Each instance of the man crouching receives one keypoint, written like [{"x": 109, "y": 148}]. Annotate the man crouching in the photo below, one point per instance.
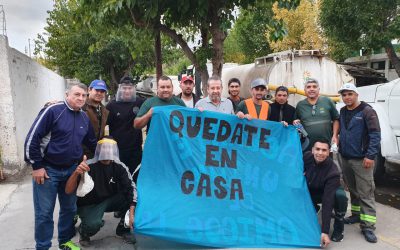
[
  {"x": 113, "y": 191},
  {"x": 323, "y": 181}
]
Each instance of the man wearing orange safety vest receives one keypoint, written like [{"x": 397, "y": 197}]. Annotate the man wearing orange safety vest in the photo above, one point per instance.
[{"x": 255, "y": 107}]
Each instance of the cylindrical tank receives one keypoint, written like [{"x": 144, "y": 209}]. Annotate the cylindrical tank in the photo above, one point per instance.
[{"x": 290, "y": 69}]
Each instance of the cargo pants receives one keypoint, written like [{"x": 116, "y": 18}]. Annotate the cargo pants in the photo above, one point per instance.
[{"x": 360, "y": 182}]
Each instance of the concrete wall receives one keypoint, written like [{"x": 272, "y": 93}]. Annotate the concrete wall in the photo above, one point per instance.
[{"x": 25, "y": 86}]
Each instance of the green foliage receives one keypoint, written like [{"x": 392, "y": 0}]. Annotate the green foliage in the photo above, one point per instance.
[
  {"x": 251, "y": 27},
  {"x": 356, "y": 23},
  {"x": 232, "y": 51},
  {"x": 105, "y": 49}
]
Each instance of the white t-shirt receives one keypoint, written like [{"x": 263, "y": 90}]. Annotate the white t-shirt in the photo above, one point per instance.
[{"x": 189, "y": 103}]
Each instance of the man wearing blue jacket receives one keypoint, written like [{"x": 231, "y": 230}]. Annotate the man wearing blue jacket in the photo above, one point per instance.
[
  {"x": 359, "y": 143},
  {"x": 53, "y": 147}
]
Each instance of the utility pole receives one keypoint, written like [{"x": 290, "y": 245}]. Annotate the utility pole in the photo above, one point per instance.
[
  {"x": 3, "y": 21},
  {"x": 29, "y": 47}
]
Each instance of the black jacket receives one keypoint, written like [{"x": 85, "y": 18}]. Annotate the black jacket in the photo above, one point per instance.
[
  {"x": 195, "y": 98},
  {"x": 288, "y": 112},
  {"x": 109, "y": 180},
  {"x": 360, "y": 133},
  {"x": 323, "y": 180}
]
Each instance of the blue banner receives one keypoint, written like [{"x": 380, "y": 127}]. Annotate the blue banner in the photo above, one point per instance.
[{"x": 214, "y": 180}]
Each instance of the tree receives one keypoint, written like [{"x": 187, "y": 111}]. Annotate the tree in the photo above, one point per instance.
[
  {"x": 108, "y": 50},
  {"x": 250, "y": 28},
  {"x": 357, "y": 24},
  {"x": 301, "y": 25},
  {"x": 207, "y": 19}
]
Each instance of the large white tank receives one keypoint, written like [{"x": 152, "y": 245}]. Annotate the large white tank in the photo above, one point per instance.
[{"x": 291, "y": 69}]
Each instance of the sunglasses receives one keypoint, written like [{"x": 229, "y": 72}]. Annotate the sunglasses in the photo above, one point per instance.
[{"x": 314, "y": 110}]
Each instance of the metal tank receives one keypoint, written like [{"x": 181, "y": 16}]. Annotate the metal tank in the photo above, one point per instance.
[{"x": 290, "y": 69}]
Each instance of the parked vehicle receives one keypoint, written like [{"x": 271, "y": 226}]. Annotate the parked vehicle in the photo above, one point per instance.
[{"x": 385, "y": 99}]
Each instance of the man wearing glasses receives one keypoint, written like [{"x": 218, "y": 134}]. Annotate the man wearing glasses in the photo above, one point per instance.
[{"x": 317, "y": 114}]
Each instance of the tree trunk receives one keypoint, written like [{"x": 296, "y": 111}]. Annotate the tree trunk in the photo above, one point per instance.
[
  {"x": 202, "y": 68},
  {"x": 218, "y": 38},
  {"x": 114, "y": 80},
  {"x": 391, "y": 53},
  {"x": 157, "y": 46}
]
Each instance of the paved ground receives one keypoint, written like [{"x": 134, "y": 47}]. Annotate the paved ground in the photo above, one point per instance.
[{"x": 16, "y": 230}]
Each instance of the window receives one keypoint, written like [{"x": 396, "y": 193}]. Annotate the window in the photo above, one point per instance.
[{"x": 380, "y": 65}]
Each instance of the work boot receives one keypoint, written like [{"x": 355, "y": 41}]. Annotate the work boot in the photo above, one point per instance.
[
  {"x": 84, "y": 241},
  {"x": 121, "y": 230},
  {"x": 338, "y": 228},
  {"x": 355, "y": 218},
  {"x": 369, "y": 236}
]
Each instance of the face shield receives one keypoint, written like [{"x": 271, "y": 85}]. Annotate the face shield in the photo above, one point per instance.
[
  {"x": 107, "y": 150},
  {"x": 126, "y": 93}
]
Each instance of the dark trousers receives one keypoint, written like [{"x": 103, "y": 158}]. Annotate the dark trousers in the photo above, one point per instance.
[
  {"x": 341, "y": 200},
  {"x": 92, "y": 215}
]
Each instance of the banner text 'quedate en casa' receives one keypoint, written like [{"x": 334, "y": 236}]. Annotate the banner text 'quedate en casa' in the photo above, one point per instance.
[{"x": 214, "y": 180}]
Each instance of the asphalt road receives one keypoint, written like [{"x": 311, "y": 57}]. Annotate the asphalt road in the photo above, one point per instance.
[{"x": 388, "y": 189}]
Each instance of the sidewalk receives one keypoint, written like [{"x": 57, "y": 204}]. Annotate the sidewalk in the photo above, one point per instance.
[{"x": 17, "y": 227}]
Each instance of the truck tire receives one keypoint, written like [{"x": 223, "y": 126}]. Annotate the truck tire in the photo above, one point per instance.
[{"x": 379, "y": 169}]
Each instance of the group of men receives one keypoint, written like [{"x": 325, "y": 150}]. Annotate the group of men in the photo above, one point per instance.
[{"x": 64, "y": 132}]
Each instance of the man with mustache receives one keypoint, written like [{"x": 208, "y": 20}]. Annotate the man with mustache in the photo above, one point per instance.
[
  {"x": 317, "y": 114},
  {"x": 214, "y": 101},
  {"x": 255, "y": 107}
]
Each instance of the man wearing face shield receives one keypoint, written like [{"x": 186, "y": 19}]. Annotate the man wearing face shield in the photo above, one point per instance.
[
  {"x": 113, "y": 190},
  {"x": 123, "y": 111}
]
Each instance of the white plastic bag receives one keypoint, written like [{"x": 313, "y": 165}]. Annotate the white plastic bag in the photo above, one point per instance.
[{"x": 85, "y": 185}]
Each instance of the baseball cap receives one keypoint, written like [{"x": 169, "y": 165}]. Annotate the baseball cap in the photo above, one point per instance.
[
  {"x": 187, "y": 78},
  {"x": 258, "y": 82},
  {"x": 348, "y": 86},
  {"x": 127, "y": 80},
  {"x": 98, "y": 84}
]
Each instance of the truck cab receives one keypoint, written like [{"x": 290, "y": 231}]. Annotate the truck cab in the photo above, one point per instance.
[{"x": 385, "y": 99}]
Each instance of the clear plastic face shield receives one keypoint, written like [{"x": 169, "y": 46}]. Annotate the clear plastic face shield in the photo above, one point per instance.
[
  {"x": 106, "y": 149},
  {"x": 126, "y": 93}
]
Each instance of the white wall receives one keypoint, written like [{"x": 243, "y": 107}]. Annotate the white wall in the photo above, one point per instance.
[{"x": 25, "y": 86}]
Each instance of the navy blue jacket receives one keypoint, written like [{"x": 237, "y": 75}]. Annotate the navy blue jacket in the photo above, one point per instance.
[
  {"x": 56, "y": 137},
  {"x": 362, "y": 136}
]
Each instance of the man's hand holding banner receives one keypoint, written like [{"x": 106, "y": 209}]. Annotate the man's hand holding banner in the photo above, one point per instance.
[{"x": 212, "y": 179}]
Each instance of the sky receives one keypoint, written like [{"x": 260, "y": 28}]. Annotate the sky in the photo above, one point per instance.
[{"x": 24, "y": 20}]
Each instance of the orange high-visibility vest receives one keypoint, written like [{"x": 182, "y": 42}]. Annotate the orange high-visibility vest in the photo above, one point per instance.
[{"x": 251, "y": 107}]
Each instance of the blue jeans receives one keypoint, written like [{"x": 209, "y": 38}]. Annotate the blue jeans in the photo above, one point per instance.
[{"x": 44, "y": 199}]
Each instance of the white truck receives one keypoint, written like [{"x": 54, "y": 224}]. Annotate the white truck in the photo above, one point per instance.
[{"x": 385, "y": 99}]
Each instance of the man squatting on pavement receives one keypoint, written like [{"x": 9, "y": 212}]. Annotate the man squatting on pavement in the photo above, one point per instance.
[{"x": 114, "y": 190}]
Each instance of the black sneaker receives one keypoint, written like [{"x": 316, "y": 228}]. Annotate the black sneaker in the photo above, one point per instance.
[
  {"x": 369, "y": 236},
  {"x": 337, "y": 236},
  {"x": 129, "y": 238},
  {"x": 121, "y": 230},
  {"x": 84, "y": 241},
  {"x": 352, "y": 219}
]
